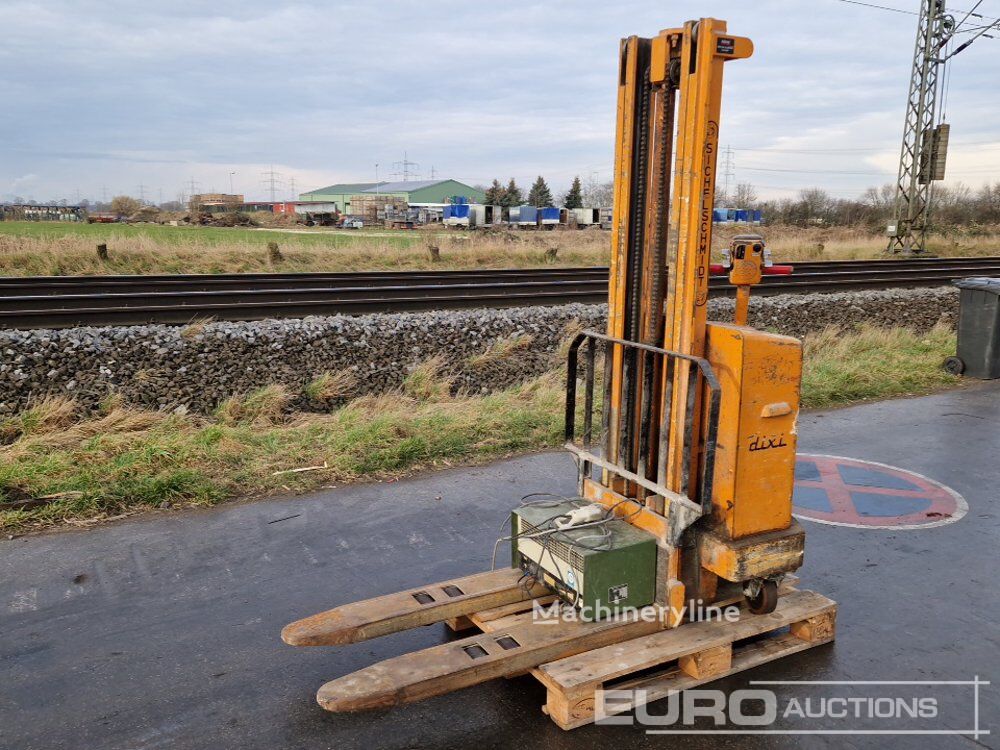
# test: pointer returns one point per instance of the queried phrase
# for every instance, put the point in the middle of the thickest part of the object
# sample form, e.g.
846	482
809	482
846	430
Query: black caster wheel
954	365
766	599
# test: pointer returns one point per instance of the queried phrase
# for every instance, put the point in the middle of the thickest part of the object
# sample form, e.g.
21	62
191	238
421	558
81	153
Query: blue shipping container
456	211
524	215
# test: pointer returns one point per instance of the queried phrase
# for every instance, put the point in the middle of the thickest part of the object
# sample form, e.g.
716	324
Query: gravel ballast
197	367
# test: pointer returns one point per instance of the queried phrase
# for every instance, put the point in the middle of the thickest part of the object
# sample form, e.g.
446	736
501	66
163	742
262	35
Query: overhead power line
968	13
814	171
915	13
780	150
880	7
985	170
867	149
966	43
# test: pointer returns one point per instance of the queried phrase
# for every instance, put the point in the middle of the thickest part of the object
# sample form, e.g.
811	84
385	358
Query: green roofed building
414	192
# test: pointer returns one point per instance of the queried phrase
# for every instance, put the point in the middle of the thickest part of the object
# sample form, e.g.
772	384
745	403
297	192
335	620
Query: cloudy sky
102	97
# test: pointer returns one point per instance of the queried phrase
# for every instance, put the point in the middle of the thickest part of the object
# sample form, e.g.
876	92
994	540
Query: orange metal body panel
760	374
756	556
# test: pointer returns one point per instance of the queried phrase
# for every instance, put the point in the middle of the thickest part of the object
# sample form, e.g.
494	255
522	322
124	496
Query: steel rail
57	302
41	285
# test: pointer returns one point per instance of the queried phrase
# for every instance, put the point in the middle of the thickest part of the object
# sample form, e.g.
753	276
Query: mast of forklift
669	98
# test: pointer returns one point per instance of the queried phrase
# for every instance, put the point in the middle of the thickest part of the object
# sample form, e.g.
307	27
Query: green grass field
58	249
187	235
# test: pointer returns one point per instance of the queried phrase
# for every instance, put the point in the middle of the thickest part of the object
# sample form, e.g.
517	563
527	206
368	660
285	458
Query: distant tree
125	205
494	194
745	196
813	207
988	203
574	198
881	199
512	195
540	195
598	194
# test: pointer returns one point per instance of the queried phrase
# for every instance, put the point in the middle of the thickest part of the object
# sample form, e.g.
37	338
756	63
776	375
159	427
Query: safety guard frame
655	358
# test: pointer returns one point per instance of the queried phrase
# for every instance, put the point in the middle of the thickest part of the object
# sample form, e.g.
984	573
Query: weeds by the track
87	468
874	363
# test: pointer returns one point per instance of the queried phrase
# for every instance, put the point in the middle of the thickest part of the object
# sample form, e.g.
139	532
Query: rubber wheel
954	365
766	599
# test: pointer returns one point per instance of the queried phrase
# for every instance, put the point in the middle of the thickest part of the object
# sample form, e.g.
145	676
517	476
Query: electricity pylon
922	157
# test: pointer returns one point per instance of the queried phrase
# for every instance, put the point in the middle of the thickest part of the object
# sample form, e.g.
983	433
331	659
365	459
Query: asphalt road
162	631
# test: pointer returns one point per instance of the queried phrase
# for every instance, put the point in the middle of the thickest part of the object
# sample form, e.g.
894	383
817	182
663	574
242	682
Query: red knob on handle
778	270
717	269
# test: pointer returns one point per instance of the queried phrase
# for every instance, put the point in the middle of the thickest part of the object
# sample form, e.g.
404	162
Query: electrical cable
780	150
968	42
967	14
533	572
915	13
812	171
880	7
945	85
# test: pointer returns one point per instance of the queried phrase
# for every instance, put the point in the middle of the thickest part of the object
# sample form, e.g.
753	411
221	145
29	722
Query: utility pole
272	179
925	144
291	187
433	172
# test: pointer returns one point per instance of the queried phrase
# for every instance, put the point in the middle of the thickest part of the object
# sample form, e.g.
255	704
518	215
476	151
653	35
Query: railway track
65	301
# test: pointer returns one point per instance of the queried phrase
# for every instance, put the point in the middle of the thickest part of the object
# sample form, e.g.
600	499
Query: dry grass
331	386
51	249
425	381
196	327
103	467
848	243
501	350
123	461
50	414
27	249
262	407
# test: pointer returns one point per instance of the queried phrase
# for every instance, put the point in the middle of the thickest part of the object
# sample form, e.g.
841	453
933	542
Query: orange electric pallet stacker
685	495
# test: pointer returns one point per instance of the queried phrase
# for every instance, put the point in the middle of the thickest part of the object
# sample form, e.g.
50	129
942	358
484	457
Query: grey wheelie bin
978	353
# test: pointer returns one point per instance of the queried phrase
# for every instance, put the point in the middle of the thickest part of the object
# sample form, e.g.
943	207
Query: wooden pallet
681	658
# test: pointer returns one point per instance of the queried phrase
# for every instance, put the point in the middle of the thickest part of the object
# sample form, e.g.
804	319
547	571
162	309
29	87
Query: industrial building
416	193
